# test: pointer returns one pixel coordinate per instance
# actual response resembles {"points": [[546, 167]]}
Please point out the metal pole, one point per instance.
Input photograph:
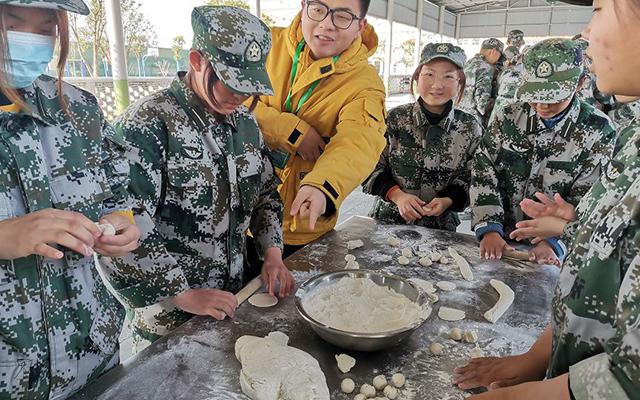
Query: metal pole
{"points": [[458, 22], [419, 17], [254, 8], [441, 23], [388, 50], [118, 54]]}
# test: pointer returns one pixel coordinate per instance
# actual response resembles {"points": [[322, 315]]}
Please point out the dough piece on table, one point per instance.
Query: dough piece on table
{"points": [[393, 241], [436, 348], [402, 260], [470, 336], [435, 256], [106, 229], [456, 334], [347, 385], [446, 286], [263, 300], [433, 297], [504, 302], [272, 370], [345, 362], [463, 265], [390, 392], [444, 261], [407, 252], [368, 390], [425, 262], [379, 382], [476, 352], [426, 286], [451, 314], [349, 257], [360, 396], [398, 380], [352, 265], [354, 244]]}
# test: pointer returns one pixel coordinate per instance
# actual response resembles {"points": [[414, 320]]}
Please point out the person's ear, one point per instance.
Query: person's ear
{"points": [[362, 23], [196, 60]]}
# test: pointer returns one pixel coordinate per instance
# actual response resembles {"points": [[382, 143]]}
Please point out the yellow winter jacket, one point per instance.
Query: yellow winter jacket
{"points": [[346, 108]]}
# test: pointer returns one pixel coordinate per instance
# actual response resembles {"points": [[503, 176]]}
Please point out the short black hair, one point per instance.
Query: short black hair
{"points": [[364, 7]]}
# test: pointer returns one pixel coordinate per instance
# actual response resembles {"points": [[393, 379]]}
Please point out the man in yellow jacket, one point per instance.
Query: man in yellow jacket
{"points": [[325, 123]]}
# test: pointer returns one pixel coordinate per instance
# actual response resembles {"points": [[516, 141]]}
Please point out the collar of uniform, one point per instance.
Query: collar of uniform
{"points": [[564, 127], [192, 105], [420, 117]]}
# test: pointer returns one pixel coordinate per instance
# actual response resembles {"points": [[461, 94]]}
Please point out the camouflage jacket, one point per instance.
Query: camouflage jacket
{"points": [[623, 114], [590, 94], [204, 183], [59, 325], [597, 300], [479, 86], [508, 82], [519, 156], [425, 160]]}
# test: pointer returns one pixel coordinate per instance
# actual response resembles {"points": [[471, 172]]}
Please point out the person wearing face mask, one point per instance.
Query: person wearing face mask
{"points": [[61, 170], [423, 174], [479, 75], [199, 167], [548, 142], [590, 349], [325, 122]]}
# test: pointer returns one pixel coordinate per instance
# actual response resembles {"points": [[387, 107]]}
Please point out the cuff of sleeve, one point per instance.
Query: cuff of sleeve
{"points": [[325, 187], [155, 290], [487, 227], [126, 213], [296, 137], [458, 195], [570, 231], [330, 208], [592, 379], [558, 247]]}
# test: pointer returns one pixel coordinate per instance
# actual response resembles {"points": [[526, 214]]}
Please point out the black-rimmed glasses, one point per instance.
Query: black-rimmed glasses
{"points": [[341, 18]]}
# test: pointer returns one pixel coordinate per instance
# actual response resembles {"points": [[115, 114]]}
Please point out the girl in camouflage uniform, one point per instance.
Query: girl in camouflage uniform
{"points": [[199, 168], [423, 174], [61, 170], [591, 350]]}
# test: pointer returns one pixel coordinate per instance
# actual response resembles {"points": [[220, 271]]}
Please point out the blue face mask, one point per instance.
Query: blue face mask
{"points": [[29, 57]]}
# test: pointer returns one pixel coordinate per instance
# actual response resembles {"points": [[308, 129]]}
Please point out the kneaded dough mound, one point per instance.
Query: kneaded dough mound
{"points": [[271, 370]]}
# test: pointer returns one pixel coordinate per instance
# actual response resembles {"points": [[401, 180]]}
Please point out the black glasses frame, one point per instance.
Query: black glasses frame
{"points": [[331, 11]]}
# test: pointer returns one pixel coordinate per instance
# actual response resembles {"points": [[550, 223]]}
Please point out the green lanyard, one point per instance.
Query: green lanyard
{"points": [[294, 71]]}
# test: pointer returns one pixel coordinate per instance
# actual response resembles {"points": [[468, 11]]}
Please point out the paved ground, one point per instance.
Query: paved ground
{"points": [[357, 203]]}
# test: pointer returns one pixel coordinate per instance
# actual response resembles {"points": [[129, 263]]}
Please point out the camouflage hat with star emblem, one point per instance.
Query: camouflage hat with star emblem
{"points": [[236, 43], [493, 43], [447, 51], [74, 6], [552, 69]]}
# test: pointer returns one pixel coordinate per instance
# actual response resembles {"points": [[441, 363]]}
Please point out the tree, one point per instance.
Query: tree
{"points": [[139, 33], [164, 67], [176, 49], [90, 33]]}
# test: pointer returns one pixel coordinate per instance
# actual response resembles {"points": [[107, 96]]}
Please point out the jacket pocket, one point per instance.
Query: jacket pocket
{"points": [[559, 175], [83, 191], [190, 191]]}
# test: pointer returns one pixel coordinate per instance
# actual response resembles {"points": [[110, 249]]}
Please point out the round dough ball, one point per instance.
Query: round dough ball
{"points": [[436, 348], [407, 252], [379, 382], [476, 352], [349, 257], [360, 396], [402, 260], [390, 392], [347, 385], [456, 334], [106, 229], [393, 241], [425, 262], [444, 261], [398, 380], [470, 336], [368, 390], [435, 256]]}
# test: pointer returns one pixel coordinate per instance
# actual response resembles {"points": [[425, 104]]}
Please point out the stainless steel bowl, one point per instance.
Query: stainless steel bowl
{"points": [[356, 340]]}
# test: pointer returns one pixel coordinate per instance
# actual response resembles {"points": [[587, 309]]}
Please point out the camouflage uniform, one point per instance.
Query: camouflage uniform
{"points": [[204, 182], [515, 38], [623, 114], [426, 160], [479, 74], [519, 155], [597, 299]]}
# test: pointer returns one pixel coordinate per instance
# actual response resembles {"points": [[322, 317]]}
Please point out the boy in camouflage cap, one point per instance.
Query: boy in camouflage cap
{"points": [[548, 142], [515, 38], [200, 169], [423, 174], [479, 74], [62, 170]]}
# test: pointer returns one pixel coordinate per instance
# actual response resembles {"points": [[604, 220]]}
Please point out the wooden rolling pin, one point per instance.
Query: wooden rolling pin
{"points": [[248, 290], [517, 255]]}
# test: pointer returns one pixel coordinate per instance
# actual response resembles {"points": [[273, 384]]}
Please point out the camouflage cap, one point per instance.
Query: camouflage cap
{"points": [[236, 43], [493, 43], [515, 38], [447, 51], [510, 52], [74, 6], [552, 69]]}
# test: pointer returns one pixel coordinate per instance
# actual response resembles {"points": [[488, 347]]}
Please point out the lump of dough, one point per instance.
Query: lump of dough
{"points": [[451, 314], [446, 286], [347, 385], [470, 336], [407, 252], [352, 265], [402, 260], [273, 370], [393, 241], [425, 262], [390, 392], [476, 352], [436, 348], [354, 244], [345, 362], [444, 260], [456, 334], [398, 380], [349, 257], [368, 390], [435, 256], [360, 396], [107, 229], [379, 382]]}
